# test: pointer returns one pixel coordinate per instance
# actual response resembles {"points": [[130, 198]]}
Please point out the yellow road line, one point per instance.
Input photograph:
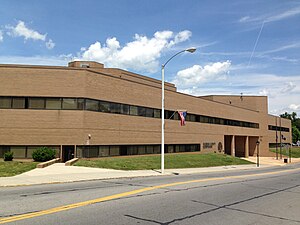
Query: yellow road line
{"points": [[125, 194]]}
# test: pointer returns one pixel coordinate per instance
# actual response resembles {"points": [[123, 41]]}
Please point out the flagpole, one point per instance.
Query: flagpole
{"points": [[163, 118], [191, 50]]}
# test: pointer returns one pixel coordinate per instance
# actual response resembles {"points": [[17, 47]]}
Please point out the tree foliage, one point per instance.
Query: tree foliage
{"points": [[295, 124], [43, 154]]}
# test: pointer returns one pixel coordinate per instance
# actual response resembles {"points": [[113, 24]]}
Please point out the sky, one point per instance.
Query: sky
{"points": [[248, 47]]}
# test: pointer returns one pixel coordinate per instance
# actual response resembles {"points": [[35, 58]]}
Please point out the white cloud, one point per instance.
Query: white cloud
{"points": [[141, 54], [50, 44], [272, 17], [289, 86], [20, 30], [1, 36], [283, 91], [294, 107], [197, 75], [244, 19], [61, 60], [283, 15], [180, 37]]}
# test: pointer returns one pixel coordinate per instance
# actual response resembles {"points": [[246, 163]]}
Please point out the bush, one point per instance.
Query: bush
{"points": [[8, 156], [43, 154]]}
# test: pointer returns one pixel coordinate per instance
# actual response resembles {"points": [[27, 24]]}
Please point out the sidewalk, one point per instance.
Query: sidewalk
{"points": [[59, 173]]}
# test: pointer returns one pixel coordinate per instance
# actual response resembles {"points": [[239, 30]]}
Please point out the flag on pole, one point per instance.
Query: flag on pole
{"points": [[182, 115]]}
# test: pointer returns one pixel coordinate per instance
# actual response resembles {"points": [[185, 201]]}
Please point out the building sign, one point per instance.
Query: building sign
{"points": [[208, 145]]}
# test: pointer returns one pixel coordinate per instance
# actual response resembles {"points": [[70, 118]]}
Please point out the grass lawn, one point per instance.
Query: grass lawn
{"points": [[13, 168], [295, 151], [171, 161]]}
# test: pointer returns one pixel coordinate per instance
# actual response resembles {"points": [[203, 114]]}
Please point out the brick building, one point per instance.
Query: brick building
{"points": [[86, 110]]}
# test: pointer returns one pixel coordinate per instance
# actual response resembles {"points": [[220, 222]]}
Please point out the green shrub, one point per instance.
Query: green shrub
{"points": [[8, 156], [43, 154]]}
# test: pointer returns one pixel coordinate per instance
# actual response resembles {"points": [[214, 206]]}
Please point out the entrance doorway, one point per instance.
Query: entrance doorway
{"points": [[227, 144], [67, 152]]}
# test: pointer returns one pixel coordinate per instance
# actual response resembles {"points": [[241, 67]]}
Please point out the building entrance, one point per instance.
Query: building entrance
{"points": [[67, 152]]}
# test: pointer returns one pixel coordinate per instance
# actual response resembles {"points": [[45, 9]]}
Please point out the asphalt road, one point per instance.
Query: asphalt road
{"points": [[265, 196]]}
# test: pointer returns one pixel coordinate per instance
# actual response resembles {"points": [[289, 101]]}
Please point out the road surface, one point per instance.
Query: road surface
{"points": [[263, 196]]}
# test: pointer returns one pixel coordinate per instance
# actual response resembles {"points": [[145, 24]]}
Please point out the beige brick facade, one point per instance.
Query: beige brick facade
{"points": [[43, 127]]}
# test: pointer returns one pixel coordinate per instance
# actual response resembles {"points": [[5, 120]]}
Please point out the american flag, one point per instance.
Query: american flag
{"points": [[182, 115]]}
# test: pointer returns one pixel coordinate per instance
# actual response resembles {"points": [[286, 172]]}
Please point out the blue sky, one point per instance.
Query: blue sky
{"points": [[250, 47]]}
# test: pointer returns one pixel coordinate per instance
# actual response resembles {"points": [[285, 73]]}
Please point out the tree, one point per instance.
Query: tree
{"points": [[295, 124], [296, 134]]}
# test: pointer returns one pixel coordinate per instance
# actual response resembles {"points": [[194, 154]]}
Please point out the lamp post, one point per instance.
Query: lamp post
{"points": [[257, 153], [191, 50]]}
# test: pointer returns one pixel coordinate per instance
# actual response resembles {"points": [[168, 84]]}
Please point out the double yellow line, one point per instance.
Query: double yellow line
{"points": [[125, 194]]}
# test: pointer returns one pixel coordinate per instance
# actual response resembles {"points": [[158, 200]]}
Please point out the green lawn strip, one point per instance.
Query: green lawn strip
{"points": [[171, 161], [295, 151], [13, 168]]}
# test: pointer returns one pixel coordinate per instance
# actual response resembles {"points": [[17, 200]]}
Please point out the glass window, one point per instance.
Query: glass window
{"points": [[57, 150], [169, 115], [141, 111], [133, 110], [69, 103], [53, 103], [114, 150], [156, 149], [149, 112], [79, 151], [93, 151], [18, 103], [149, 149], [192, 117], [92, 105], [141, 150], [124, 109], [36, 103], [103, 151], [176, 116], [3, 149], [115, 107], [157, 113], [104, 106], [19, 151], [30, 151], [132, 150], [80, 104], [211, 120], [170, 148], [5, 102]]}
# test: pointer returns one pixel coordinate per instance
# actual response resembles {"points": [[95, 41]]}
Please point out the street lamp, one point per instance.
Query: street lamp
{"points": [[257, 153], [191, 50]]}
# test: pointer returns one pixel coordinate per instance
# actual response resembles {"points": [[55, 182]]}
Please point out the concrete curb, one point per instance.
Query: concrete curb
{"points": [[71, 162], [48, 163]]}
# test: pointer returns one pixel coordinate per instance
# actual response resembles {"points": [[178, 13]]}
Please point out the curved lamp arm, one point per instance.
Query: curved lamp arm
{"points": [[191, 50]]}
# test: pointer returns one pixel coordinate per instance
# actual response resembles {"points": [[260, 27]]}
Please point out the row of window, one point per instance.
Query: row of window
{"points": [[103, 151], [113, 150], [276, 128], [25, 152], [52, 103]]}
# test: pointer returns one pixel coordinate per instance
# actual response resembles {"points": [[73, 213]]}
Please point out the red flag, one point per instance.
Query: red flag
{"points": [[182, 115]]}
